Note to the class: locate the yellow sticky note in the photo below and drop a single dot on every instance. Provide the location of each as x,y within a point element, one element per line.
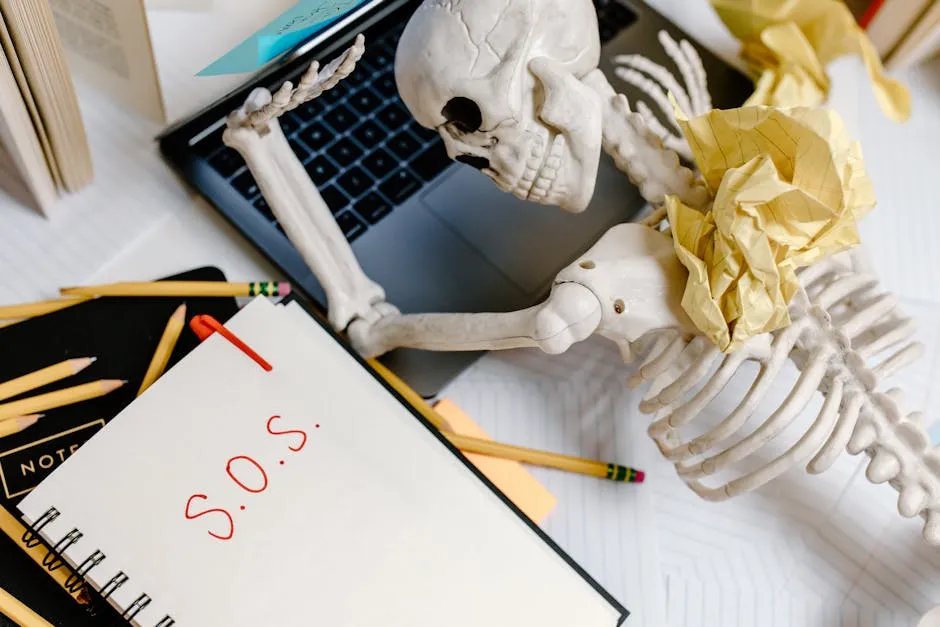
<point>510,477</point>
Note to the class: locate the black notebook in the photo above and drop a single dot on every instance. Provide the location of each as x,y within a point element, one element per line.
<point>123,334</point>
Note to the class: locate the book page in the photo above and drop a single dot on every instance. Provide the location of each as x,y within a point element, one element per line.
<point>11,58</point>
<point>108,43</point>
<point>289,491</point>
<point>24,172</point>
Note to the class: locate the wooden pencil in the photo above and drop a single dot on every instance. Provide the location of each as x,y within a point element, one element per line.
<point>605,470</point>
<point>11,427</point>
<point>45,376</point>
<point>19,613</point>
<point>59,398</point>
<point>182,289</point>
<point>164,348</point>
<point>30,310</point>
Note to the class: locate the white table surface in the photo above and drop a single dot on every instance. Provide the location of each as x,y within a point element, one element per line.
<point>791,555</point>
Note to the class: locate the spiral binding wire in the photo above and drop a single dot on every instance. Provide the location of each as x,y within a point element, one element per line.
<point>78,578</point>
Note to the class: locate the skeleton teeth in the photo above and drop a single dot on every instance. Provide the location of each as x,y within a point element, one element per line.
<point>553,162</point>
<point>542,185</point>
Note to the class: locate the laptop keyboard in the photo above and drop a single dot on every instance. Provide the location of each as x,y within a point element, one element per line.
<point>359,144</point>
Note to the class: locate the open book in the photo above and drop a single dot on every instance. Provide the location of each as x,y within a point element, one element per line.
<point>307,494</point>
<point>44,151</point>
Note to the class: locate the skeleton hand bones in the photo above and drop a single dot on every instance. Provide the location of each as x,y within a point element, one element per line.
<point>627,287</point>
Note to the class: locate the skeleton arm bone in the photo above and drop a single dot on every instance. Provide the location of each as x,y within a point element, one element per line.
<point>254,132</point>
<point>308,223</point>
<point>570,314</point>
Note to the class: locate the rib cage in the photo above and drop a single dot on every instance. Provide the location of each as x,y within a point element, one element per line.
<point>846,335</point>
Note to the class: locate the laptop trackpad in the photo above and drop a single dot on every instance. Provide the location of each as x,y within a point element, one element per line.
<point>528,242</point>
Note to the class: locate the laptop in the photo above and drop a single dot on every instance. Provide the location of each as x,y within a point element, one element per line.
<point>437,235</point>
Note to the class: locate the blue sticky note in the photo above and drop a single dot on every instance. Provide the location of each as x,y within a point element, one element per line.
<point>302,20</point>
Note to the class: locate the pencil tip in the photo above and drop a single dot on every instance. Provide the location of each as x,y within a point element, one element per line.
<point>27,421</point>
<point>180,311</point>
<point>81,363</point>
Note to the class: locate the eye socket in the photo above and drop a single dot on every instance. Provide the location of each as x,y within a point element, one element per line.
<point>480,163</point>
<point>464,114</point>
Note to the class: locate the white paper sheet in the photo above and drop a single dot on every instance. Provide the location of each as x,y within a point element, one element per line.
<point>305,495</point>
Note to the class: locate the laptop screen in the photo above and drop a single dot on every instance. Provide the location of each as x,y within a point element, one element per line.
<point>299,23</point>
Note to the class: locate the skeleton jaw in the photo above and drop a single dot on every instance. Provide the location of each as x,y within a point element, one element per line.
<point>542,176</point>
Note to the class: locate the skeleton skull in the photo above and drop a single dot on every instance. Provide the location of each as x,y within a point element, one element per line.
<point>500,81</point>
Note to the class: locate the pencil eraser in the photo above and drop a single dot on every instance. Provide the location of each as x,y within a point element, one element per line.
<point>283,288</point>
<point>640,476</point>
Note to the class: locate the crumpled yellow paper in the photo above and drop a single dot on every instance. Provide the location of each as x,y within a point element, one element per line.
<point>790,42</point>
<point>788,186</point>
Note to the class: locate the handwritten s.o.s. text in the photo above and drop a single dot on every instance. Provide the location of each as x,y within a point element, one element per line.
<point>249,475</point>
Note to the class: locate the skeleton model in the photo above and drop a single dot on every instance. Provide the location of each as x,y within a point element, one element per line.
<point>514,90</point>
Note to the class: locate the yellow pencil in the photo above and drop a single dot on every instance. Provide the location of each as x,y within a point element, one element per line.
<point>16,611</point>
<point>164,348</point>
<point>39,378</point>
<point>182,289</point>
<point>30,310</point>
<point>605,470</point>
<point>59,398</point>
<point>10,427</point>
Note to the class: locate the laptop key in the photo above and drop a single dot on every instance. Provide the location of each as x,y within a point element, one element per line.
<point>289,122</point>
<point>309,110</point>
<point>373,207</point>
<point>368,133</point>
<point>351,225</point>
<point>365,101</point>
<point>317,136</point>
<point>431,162</point>
<point>341,118</point>
<point>344,152</point>
<point>245,184</point>
<point>299,148</point>
<point>620,16</point>
<point>400,186</point>
<point>336,94</point>
<point>355,182</point>
<point>334,199</point>
<point>380,163</point>
<point>404,145</point>
<point>261,204</point>
<point>321,170</point>
<point>227,162</point>
<point>393,116</point>
<point>427,134</point>
<point>382,56</point>
<point>385,85</point>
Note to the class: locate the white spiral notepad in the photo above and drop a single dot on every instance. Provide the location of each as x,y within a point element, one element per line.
<point>227,495</point>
